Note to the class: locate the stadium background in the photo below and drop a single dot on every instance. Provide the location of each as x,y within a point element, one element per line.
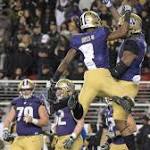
<point>34,36</point>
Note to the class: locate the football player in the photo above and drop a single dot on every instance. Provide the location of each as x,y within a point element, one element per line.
<point>30,115</point>
<point>92,43</point>
<point>130,58</point>
<point>115,141</point>
<point>67,129</point>
<point>98,80</point>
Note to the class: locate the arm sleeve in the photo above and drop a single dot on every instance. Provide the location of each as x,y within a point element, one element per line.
<point>13,104</point>
<point>131,45</point>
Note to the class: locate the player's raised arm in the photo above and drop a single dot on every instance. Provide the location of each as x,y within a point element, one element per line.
<point>126,7</point>
<point>123,29</point>
<point>109,5</point>
<point>119,33</point>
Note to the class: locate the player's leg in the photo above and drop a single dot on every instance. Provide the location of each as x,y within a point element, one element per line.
<point>120,115</point>
<point>33,142</point>
<point>86,97</point>
<point>87,94</point>
<point>91,88</point>
<point>126,129</point>
<point>17,144</point>
<point>118,147</point>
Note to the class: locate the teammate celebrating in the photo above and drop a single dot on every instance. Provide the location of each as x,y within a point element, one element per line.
<point>92,43</point>
<point>130,58</point>
<point>30,115</point>
<point>115,141</point>
<point>67,129</point>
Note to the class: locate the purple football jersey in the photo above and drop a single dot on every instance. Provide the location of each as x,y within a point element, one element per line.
<point>65,122</point>
<point>93,46</point>
<point>134,70</point>
<point>23,107</point>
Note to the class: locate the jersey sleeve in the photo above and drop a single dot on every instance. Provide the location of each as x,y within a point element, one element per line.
<point>131,45</point>
<point>14,103</point>
<point>73,43</point>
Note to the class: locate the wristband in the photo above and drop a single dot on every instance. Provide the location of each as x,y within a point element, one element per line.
<point>126,8</point>
<point>74,135</point>
<point>35,121</point>
<point>109,4</point>
<point>5,128</point>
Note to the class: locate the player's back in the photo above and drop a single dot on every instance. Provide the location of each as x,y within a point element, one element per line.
<point>134,70</point>
<point>93,46</point>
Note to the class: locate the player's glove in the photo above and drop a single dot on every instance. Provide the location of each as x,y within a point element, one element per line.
<point>126,8</point>
<point>126,102</point>
<point>105,147</point>
<point>51,91</point>
<point>7,135</point>
<point>69,142</point>
<point>107,3</point>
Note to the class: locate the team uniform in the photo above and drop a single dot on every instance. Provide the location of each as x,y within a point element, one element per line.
<point>118,142</point>
<point>130,79</point>
<point>98,80</point>
<point>29,135</point>
<point>65,125</point>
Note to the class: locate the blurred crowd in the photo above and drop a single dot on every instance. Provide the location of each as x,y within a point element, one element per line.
<point>34,36</point>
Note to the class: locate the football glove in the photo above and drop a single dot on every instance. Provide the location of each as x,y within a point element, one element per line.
<point>7,135</point>
<point>105,147</point>
<point>51,90</point>
<point>126,8</point>
<point>107,3</point>
<point>126,102</point>
<point>69,142</point>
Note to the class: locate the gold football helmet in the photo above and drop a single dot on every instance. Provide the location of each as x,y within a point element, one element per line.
<point>26,88</point>
<point>64,88</point>
<point>89,19</point>
<point>135,25</point>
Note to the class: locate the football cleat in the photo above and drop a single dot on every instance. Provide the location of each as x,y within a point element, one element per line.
<point>126,102</point>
